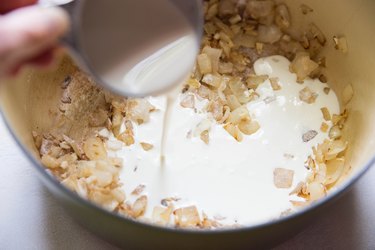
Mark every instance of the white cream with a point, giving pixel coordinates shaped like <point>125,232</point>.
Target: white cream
<point>228,178</point>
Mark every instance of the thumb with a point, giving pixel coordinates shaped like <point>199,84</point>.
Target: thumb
<point>28,32</point>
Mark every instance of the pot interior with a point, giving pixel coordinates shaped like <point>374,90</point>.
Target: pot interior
<point>30,101</point>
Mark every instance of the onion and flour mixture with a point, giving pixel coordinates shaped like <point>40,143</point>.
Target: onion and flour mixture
<point>254,134</point>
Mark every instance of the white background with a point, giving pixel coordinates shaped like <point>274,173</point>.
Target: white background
<point>30,218</point>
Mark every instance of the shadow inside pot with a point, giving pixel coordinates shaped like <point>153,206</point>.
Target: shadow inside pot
<point>338,227</point>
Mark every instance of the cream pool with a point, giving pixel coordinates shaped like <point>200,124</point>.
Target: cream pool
<point>228,180</point>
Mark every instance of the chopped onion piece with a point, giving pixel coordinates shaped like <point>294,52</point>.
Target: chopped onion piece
<point>233,131</point>
<point>282,18</point>
<point>317,33</point>
<point>225,68</point>
<point>253,81</point>
<point>50,162</point>
<point>204,64</point>
<point>212,80</point>
<point>187,217</point>
<point>335,169</point>
<point>248,127</point>
<point>227,8</point>
<point>94,149</point>
<point>161,215</point>
<point>324,127</point>
<point>341,44</point>
<point>188,101</point>
<point>326,114</point>
<point>138,110</point>
<point>269,34</point>
<point>233,102</point>
<point>235,19</point>
<point>104,133</point>
<point>259,48</point>
<point>139,206</point>
<point>193,83</point>
<point>205,136</point>
<point>103,178</point>
<point>334,133</point>
<point>283,178</point>
<point>214,55</point>
<point>275,83</point>
<point>307,95</point>
<point>335,148</point>
<point>146,146</point>
<point>316,190</point>
<point>126,137</point>
<point>138,190</point>
<point>239,90</point>
<point>212,11</point>
<point>244,40</point>
<point>239,114</point>
<point>298,189</point>
<point>258,9</point>
<point>302,66</point>
<point>204,125</point>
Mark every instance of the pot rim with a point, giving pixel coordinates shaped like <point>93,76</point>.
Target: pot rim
<point>52,180</point>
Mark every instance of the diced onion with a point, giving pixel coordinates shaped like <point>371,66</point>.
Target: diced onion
<point>269,34</point>
<point>204,64</point>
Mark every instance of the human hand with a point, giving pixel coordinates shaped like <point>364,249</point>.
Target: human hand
<point>28,34</point>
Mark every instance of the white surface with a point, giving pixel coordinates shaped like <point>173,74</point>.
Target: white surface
<point>30,218</point>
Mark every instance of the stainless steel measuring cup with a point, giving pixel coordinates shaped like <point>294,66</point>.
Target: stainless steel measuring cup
<point>105,35</point>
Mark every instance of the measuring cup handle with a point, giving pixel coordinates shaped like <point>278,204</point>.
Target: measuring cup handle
<point>68,39</point>
<point>70,6</point>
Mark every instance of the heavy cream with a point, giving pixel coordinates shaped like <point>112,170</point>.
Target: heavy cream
<point>228,179</point>
<point>139,50</point>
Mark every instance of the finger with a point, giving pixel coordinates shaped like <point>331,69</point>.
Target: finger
<point>8,5</point>
<point>27,32</point>
<point>45,59</point>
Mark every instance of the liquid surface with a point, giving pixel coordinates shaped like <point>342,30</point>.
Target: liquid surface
<point>136,50</point>
<point>230,179</point>
<point>169,105</point>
